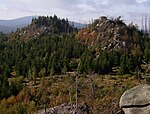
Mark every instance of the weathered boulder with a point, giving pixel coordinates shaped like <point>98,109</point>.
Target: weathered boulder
<point>136,100</point>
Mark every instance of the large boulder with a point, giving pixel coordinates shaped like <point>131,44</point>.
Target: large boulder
<point>136,100</point>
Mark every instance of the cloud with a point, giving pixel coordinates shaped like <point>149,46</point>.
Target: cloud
<point>78,10</point>
<point>141,1</point>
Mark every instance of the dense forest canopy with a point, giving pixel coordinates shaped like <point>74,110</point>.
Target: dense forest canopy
<point>54,24</point>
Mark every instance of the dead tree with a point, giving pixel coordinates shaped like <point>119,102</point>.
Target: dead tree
<point>77,83</point>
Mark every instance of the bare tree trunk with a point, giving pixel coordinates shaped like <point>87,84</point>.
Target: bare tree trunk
<point>76,91</point>
<point>70,95</point>
<point>92,89</point>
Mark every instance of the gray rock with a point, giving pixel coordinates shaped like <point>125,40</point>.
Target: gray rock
<point>66,109</point>
<point>136,100</point>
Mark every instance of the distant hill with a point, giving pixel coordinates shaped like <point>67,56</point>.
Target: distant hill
<point>78,25</point>
<point>42,26</point>
<point>6,29</point>
<point>7,26</point>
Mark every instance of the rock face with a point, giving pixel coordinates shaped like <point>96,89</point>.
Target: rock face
<point>136,100</point>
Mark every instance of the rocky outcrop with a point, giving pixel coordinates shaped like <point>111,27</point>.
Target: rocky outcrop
<point>110,34</point>
<point>83,108</point>
<point>136,100</point>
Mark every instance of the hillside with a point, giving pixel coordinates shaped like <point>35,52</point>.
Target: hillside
<point>19,21</point>
<point>112,34</point>
<point>78,25</point>
<point>7,29</point>
<point>7,26</point>
<point>105,44</point>
<point>43,26</point>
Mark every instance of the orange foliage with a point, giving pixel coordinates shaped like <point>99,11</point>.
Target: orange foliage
<point>87,36</point>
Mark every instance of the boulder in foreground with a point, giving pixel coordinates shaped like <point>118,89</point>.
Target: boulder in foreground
<point>136,100</point>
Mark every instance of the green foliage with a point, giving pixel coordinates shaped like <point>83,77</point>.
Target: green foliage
<point>51,54</point>
<point>54,24</point>
<point>20,109</point>
<point>9,88</point>
<point>104,63</point>
<point>55,54</point>
<point>147,55</point>
<point>4,87</point>
<point>128,63</point>
<point>16,86</point>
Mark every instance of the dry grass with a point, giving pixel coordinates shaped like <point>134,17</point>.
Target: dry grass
<point>100,92</point>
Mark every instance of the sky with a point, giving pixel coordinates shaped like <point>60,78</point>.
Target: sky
<point>77,10</point>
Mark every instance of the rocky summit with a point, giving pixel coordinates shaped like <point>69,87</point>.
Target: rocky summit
<point>111,34</point>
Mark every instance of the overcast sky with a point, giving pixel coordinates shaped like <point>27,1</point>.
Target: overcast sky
<point>77,10</point>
